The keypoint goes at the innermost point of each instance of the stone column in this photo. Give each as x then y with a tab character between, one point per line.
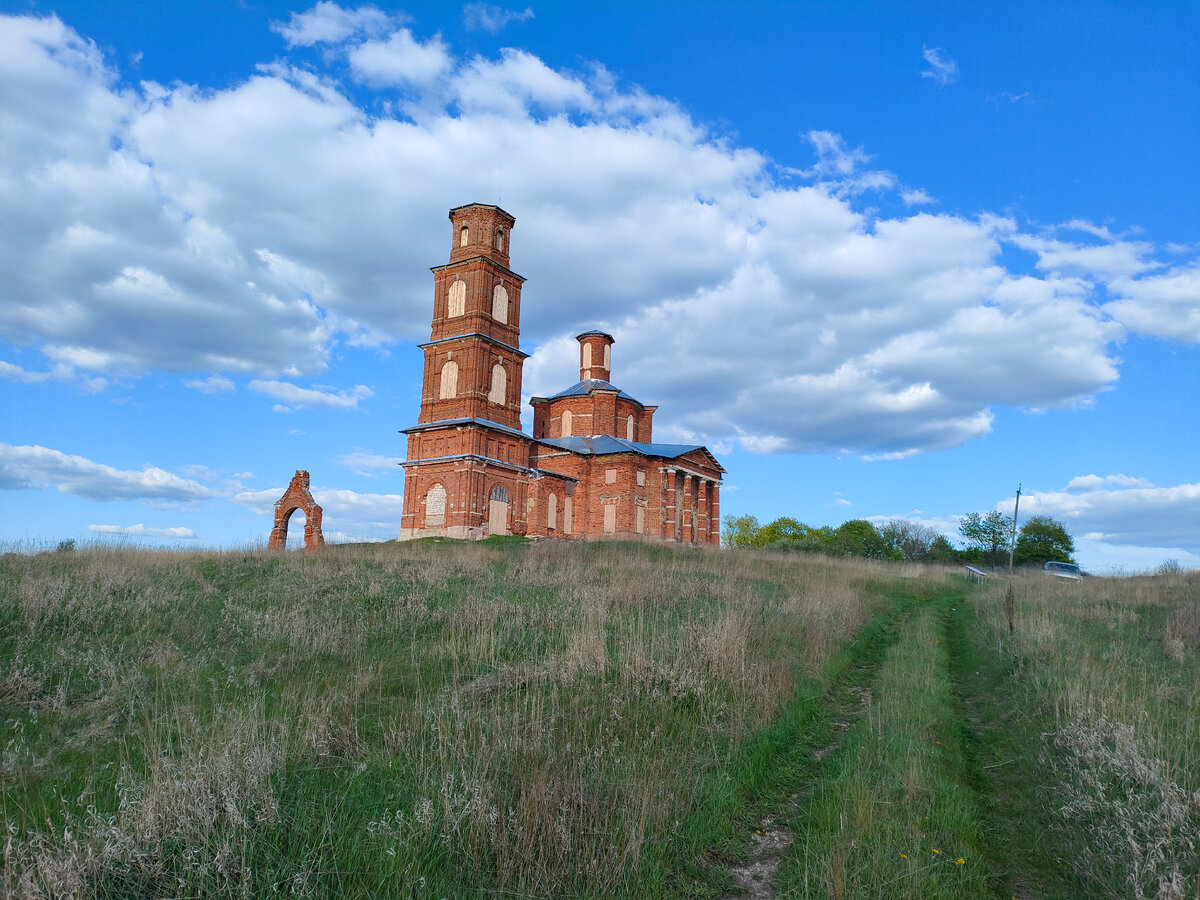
702	511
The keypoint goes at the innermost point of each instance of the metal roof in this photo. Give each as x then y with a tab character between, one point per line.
593	384
605	443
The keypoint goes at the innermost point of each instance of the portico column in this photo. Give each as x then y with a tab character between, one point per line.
689	520
701	511
671	530
714	512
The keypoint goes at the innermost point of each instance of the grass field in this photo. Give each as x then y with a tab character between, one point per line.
607	720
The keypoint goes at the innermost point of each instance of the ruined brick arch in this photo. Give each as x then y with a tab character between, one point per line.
297	496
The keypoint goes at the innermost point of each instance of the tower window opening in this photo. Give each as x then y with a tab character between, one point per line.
464	235
458	299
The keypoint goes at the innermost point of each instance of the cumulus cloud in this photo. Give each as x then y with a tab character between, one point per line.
1123	511
400	60
493	18
140	530
349	513
328	23
35	467
942	68
254	228
317	397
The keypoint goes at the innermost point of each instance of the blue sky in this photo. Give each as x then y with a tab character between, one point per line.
887	260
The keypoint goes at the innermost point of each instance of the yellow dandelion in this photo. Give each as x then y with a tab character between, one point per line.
936	850
959	861
904	856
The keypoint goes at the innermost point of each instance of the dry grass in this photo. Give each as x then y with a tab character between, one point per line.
1112	664
529	719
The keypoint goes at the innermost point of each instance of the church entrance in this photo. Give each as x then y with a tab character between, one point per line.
498	511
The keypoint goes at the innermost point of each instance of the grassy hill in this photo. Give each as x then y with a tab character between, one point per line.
605	720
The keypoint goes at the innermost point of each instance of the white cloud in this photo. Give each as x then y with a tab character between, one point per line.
916	197
13	372
316	397
213	384
1116	514
942	68
363	516
38	468
1096	482
363	462
400	60
1165	305
253	228
140	530
493	18
328	23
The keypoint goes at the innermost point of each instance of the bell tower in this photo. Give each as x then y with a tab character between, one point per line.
472	360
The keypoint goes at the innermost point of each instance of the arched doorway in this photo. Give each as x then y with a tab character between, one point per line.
498	511
297	497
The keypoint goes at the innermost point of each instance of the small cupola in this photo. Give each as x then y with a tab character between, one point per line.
595	355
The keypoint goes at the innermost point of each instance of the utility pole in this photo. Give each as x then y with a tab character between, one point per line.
1012	543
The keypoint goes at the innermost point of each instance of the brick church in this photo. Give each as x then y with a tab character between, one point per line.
591	468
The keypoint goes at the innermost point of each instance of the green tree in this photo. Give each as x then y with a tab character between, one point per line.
858	537
740	531
989	534
783	530
1042	540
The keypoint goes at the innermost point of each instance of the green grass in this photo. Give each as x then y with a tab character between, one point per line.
602	720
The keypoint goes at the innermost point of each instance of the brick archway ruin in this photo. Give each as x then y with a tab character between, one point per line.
297	496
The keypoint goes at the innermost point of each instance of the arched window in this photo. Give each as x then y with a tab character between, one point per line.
587	357
607	356
435	507
448	389
566	423
499	389
629	428
500	239
567	515
463	236
552	512
458	299
500	304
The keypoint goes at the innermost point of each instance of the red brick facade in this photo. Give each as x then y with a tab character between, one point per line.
590	470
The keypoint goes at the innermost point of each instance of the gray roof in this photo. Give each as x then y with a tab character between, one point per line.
593	384
605	443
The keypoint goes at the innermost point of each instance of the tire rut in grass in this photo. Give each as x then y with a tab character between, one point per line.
842	704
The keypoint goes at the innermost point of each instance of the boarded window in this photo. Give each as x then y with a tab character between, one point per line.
463	236
566	423
567	515
449	385
587	357
499	385
458	299
500	304
610	476
552	512
629	428
610	518
607	356
641	477
435	507
641	519
500	239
